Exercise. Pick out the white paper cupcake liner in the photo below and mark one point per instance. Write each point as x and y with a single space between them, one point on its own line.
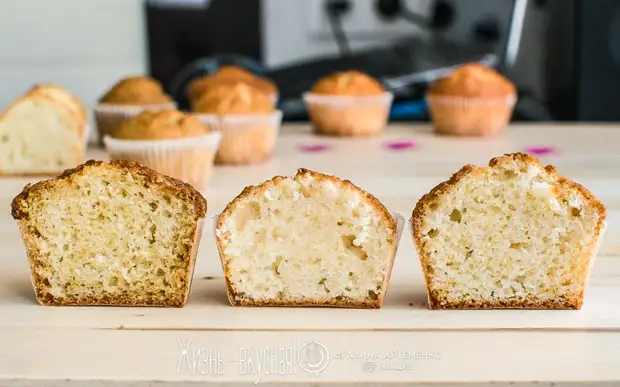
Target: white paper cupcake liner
466 102
246 139
384 99
109 116
131 110
470 116
227 122
188 159
350 116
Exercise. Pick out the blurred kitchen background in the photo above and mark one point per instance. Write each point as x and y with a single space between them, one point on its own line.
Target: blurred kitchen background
562 54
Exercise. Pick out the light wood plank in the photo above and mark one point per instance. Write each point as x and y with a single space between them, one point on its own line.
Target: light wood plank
138 346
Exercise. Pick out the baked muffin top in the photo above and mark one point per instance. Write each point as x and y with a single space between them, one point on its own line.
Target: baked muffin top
233 98
348 83
136 91
229 75
234 72
474 80
161 125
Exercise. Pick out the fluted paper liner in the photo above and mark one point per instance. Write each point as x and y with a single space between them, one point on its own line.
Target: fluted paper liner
109 117
246 139
339 115
470 116
187 159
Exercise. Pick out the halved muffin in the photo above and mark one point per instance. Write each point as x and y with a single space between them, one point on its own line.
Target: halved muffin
514 234
42 133
113 233
309 240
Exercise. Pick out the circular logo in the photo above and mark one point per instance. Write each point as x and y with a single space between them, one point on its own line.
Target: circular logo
368 366
313 357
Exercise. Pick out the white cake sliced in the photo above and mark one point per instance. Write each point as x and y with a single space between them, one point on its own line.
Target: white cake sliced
514 234
309 240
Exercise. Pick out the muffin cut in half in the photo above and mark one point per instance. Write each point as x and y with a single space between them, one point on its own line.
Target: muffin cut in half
512 235
309 240
42 133
113 233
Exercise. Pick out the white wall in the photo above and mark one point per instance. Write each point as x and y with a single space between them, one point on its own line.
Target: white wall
85 45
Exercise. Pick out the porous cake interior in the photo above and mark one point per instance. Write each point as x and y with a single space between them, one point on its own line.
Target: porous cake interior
38 136
508 236
108 237
307 241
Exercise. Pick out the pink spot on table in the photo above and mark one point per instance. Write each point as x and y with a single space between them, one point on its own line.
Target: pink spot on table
400 145
540 150
313 148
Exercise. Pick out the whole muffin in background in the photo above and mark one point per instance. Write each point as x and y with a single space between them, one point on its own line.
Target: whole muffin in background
247 119
169 141
233 98
474 100
230 75
128 98
353 83
348 103
161 125
136 91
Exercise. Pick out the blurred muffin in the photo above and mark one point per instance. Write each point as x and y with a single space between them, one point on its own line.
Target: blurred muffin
128 98
474 100
61 94
43 132
136 91
348 103
234 72
247 119
230 75
233 98
162 125
169 141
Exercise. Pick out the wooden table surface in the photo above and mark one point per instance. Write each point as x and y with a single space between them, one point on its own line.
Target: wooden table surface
403 343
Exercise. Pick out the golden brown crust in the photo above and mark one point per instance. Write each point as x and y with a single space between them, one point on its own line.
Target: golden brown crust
354 83
229 75
184 191
371 302
474 80
234 72
237 98
425 204
239 73
161 125
136 91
